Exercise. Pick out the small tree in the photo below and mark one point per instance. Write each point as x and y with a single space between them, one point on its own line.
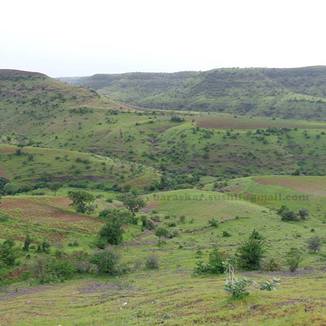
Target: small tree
8 253
251 252
294 257
82 201
111 232
132 202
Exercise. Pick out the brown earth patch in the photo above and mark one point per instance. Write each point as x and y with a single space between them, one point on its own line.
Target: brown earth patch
42 208
309 185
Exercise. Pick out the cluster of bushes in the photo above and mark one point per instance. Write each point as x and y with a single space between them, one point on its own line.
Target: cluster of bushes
289 215
251 256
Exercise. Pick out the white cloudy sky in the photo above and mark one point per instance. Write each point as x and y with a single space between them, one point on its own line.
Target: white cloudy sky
83 37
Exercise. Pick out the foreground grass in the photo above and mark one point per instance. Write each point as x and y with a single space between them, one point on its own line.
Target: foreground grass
168 298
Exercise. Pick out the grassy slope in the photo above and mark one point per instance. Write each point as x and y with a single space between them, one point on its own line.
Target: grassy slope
287 93
173 295
166 298
46 164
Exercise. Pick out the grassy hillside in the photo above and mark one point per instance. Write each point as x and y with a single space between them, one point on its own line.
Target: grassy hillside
193 182
173 294
288 93
28 166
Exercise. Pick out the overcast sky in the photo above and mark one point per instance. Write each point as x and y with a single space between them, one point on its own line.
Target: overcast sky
83 37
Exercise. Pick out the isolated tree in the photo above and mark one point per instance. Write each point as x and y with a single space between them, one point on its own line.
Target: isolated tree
132 202
111 232
251 252
82 201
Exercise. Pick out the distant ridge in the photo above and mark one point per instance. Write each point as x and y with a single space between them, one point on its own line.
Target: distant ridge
277 92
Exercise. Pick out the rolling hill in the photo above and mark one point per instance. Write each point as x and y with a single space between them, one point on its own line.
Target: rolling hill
297 93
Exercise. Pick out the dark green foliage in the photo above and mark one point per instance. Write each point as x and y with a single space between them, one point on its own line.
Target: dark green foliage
82 201
251 252
48 269
161 232
122 215
27 243
288 215
176 118
107 262
44 247
8 253
111 232
3 182
132 202
215 264
214 222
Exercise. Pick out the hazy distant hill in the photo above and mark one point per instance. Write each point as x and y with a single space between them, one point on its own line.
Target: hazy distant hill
287 93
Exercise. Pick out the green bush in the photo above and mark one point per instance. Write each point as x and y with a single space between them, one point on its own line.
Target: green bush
48 269
251 252
107 262
112 232
152 262
293 259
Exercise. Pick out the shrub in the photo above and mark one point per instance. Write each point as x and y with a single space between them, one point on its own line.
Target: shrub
82 201
213 222
271 265
27 243
314 244
238 288
269 285
122 215
226 234
216 262
215 265
112 232
161 232
132 202
152 262
48 269
251 252
107 262
294 257
8 253
303 213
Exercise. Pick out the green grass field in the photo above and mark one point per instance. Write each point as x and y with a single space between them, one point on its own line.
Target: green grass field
207 179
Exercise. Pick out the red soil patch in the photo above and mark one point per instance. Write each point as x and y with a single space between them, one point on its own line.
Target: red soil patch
2 172
7 149
230 122
309 185
42 208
